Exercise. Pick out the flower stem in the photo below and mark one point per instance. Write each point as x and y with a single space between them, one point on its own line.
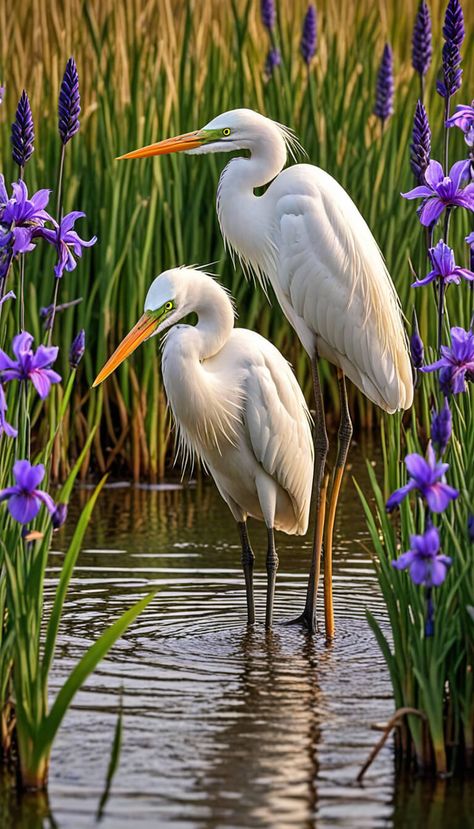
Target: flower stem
446 138
22 292
59 208
59 203
441 285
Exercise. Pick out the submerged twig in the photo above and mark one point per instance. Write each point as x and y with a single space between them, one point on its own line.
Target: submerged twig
399 714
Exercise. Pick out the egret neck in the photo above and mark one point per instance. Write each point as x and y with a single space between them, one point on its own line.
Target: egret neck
244 225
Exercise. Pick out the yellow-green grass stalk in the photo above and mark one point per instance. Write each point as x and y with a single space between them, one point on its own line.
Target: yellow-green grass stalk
150 69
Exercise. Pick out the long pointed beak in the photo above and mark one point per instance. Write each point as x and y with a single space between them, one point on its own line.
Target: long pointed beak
140 332
178 144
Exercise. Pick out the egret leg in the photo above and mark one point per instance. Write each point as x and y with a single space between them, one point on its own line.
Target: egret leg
320 483
248 559
272 567
344 438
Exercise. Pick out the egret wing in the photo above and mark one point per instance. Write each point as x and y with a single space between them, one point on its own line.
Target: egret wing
333 278
278 424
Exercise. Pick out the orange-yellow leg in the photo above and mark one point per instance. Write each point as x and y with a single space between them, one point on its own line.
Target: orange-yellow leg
344 439
320 485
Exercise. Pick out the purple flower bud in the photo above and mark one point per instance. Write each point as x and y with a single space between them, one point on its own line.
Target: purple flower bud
429 623
69 104
453 33
417 350
2 94
420 147
422 49
309 34
58 518
273 60
78 346
441 427
23 132
267 8
385 87
470 527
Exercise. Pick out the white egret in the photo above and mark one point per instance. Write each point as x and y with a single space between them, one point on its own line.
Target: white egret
306 237
237 406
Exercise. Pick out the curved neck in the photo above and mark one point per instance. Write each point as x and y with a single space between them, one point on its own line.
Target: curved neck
267 159
244 225
215 313
215 320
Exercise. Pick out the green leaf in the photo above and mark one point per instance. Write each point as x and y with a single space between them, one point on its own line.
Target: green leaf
83 669
64 579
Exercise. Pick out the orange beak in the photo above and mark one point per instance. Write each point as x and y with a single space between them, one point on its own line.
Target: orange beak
140 332
188 141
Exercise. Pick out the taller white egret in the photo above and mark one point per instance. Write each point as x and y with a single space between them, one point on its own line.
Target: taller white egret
307 238
237 406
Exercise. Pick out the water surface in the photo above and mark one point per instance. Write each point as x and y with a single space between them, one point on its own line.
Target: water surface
223 727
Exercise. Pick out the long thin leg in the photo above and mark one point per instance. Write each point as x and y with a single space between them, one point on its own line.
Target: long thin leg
272 567
344 439
320 482
248 559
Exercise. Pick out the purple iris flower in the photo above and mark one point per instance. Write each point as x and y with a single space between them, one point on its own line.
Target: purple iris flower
426 477
426 566
456 363
442 427
444 267
63 237
2 93
24 499
30 366
23 214
442 191
470 240
5 428
464 119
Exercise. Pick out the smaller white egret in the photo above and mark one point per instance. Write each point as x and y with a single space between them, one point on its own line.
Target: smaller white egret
237 406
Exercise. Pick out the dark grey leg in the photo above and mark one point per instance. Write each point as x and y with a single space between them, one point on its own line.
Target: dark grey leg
272 567
344 440
321 445
248 559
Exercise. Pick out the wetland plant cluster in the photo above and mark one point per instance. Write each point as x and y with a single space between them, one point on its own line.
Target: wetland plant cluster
33 403
423 533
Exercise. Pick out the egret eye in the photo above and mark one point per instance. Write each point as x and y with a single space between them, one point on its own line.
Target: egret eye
226 131
168 306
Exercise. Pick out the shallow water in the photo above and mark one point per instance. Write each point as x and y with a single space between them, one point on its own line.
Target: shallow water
223 727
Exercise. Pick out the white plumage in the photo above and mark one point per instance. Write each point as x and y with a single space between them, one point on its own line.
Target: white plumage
305 236
235 401
236 404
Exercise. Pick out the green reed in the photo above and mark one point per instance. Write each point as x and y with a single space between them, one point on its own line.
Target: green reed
149 70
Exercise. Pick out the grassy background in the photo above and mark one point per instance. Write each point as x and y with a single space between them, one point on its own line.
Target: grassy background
152 68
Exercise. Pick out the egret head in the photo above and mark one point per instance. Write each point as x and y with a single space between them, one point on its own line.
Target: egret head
238 129
167 301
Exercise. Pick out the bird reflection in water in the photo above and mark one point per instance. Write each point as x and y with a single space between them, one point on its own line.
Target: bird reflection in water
263 764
